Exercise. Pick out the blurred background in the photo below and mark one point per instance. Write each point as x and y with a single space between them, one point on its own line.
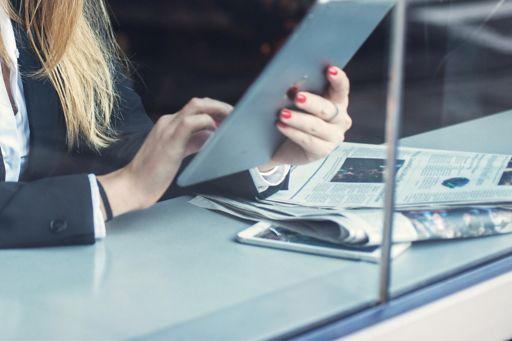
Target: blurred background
458 64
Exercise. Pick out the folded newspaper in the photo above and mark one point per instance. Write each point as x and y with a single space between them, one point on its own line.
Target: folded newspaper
439 195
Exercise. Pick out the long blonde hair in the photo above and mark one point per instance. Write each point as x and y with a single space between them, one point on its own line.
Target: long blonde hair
74 42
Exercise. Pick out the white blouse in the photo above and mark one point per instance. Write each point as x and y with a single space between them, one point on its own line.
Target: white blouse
14 129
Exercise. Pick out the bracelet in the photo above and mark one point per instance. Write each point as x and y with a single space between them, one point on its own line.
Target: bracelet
106 203
269 172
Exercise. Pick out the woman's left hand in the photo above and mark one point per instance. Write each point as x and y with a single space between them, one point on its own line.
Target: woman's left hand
319 125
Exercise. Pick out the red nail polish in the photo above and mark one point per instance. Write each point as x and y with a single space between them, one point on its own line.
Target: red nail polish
286 114
281 124
301 98
332 71
292 92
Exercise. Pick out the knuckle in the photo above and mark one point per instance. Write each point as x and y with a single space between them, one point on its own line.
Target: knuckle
208 119
163 122
341 138
324 114
194 103
186 122
348 122
168 135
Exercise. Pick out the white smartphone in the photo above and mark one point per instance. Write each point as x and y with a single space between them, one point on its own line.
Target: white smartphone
268 235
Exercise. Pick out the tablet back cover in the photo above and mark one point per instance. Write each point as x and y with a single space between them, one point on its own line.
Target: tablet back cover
330 34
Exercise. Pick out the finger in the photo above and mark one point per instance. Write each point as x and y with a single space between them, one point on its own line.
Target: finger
312 125
339 85
323 108
189 125
215 108
219 117
312 146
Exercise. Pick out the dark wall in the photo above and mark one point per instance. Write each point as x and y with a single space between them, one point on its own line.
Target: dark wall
215 48
192 48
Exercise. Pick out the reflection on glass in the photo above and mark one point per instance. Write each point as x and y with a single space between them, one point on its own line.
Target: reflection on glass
175 263
458 68
179 265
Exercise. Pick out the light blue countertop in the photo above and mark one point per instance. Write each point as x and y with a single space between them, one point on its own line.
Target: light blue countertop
175 270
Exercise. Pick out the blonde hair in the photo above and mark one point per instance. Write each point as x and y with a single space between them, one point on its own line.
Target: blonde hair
74 42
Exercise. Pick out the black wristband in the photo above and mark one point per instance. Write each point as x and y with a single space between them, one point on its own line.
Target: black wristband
106 203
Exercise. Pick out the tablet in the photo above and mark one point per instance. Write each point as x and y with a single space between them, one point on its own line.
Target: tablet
330 34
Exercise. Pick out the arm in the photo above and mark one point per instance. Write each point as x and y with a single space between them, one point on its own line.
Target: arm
313 131
59 210
133 126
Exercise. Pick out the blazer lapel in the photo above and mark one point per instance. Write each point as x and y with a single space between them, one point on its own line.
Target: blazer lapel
46 121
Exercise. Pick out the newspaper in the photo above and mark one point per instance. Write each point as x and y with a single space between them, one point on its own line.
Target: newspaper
363 227
353 176
439 195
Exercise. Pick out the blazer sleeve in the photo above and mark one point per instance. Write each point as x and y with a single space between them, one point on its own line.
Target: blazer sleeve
239 185
58 210
47 212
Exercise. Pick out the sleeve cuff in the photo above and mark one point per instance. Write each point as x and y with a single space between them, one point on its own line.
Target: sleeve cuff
274 177
99 223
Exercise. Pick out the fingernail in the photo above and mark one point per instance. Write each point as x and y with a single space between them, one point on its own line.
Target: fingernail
281 124
332 71
286 114
301 98
292 92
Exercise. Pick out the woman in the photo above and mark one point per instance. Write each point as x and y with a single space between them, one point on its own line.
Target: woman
68 114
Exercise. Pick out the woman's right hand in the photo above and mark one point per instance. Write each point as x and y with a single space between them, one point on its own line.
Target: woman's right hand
144 180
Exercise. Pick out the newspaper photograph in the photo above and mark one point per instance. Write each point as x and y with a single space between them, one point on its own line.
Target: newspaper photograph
353 176
436 224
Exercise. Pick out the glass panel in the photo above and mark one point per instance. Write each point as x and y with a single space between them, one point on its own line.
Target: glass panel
175 270
458 69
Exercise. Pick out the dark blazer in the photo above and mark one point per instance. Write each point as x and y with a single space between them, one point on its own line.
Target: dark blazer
52 205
